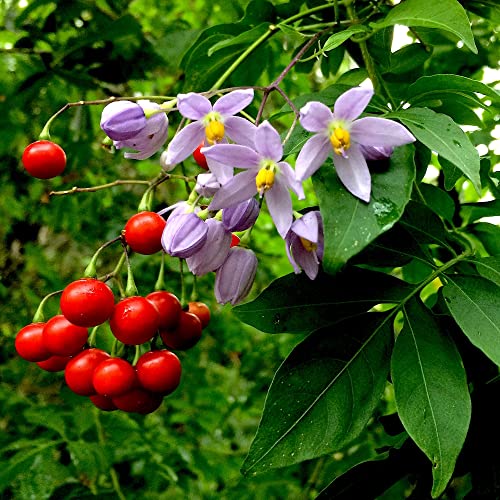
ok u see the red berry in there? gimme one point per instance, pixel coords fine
(54, 363)
(235, 240)
(168, 306)
(134, 321)
(44, 159)
(114, 376)
(63, 338)
(202, 311)
(80, 370)
(185, 335)
(138, 401)
(143, 232)
(87, 302)
(29, 343)
(159, 371)
(103, 402)
(200, 158)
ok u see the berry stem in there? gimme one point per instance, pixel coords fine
(194, 292)
(92, 336)
(183, 283)
(39, 317)
(91, 271)
(160, 282)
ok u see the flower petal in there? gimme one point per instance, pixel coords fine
(307, 227)
(234, 102)
(268, 142)
(233, 155)
(193, 106)
(240, 188)
(353, 172)
(312, 155)
(288, 176)
(352, 103)
(290, 241)
(122, 120)
(310, 264)
(315, 116)
(184, 143)
(372, 131)
(222, 172)
(279, 204)
(240, 130)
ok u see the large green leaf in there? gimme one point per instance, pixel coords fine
(447, 15)
(323, 394)
(489, 268)
(351, 224)
(473, 303)
(430, 389)
(441, 134)
(295, 304)
(489, 235)
(245, 38)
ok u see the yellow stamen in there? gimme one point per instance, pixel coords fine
(309, 246)
(214, 131)
(264, 180)
(340, 140)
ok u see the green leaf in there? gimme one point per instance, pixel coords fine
(447, 15)
(296, 304)
(441, 134)
(351, 224)
(489, 235)
(451, 173)
(339, 38)
(89, 458)
(438, 201)
(245, 38)
(489, 268)
(430, 389)
(323, 394)
(471, 212)
(473, 303)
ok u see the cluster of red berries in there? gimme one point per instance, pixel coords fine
(111, 382)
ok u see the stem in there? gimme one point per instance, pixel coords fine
(118, 182)
(131, 288)
(90, 270)
(92, 336)
(183, 283)
(160, 282)
(137, 355)
(39, 317)
(194, 292)
(115, 271)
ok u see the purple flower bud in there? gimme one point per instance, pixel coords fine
(122, 120)
(234, 279)
(184, 235)
(207, 185)
(214, 252)
(376, 152)
(241, 216)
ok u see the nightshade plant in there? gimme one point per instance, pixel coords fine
(395, 272)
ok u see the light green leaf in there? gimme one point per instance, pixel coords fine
(245, 38)
(447, 15)
(431, 393)
(323, 394)
(337, 39)
(489, 268)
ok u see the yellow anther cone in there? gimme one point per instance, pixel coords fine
(264, 180)
(214, 131)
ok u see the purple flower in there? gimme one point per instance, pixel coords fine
(234, 279)
(264, 173)
(184, 235)
(151, 138)
(304, 244)
(122, 120)
(207, 185)
(214, 251)
(241, 216)
(211, 123)
(343, 134)
(376, 153)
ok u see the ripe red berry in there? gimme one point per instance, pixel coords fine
(168, 306)
(143, 232)
(159, 371)
(29, 343)
(54, 363)
(114, 376)
(235, 240)
(87, 302)
(44, 159)
(63, 338)
(185, 335)
(80, 370)
(200, 158)
(134, 321)
(138, 401)
(103, 402)
(202, 311)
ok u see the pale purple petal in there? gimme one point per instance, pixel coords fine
(233, 155)
(376, 152)
(122, 120)
(307, 227)
(222, 172)
(309, 262)
(207, 185)
(240, 130)
(184, 143)
(184, 235)
(290, 240)
(353, 172)
(240, 188)
(312, 155)
(193, 106)
(352, 103)
(289, 178)
(241, 216)
(372, 131)
(279, 204)
(234, 102)
(268, 142)
(315, 116)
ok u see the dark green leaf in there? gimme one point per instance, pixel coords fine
(471, 212)
(323, 394)
(489, 268)
(408, 58)
(431, 392)
(489, 235)
(245, 38)
(438, 201)
(451, 173)
(89, 458)
(351, 224)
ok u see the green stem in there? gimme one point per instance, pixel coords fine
(39, 317)
(137, 355)
(90, 270)
(131, 288)
(92, 336)
(183, 283)
(194, 292)
(160, 282)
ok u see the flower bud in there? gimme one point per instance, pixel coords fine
(184, 235)
(234, 279)
(241, 216)
(376, 152)
(214, 252)
(207, 185)
(122, 120)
